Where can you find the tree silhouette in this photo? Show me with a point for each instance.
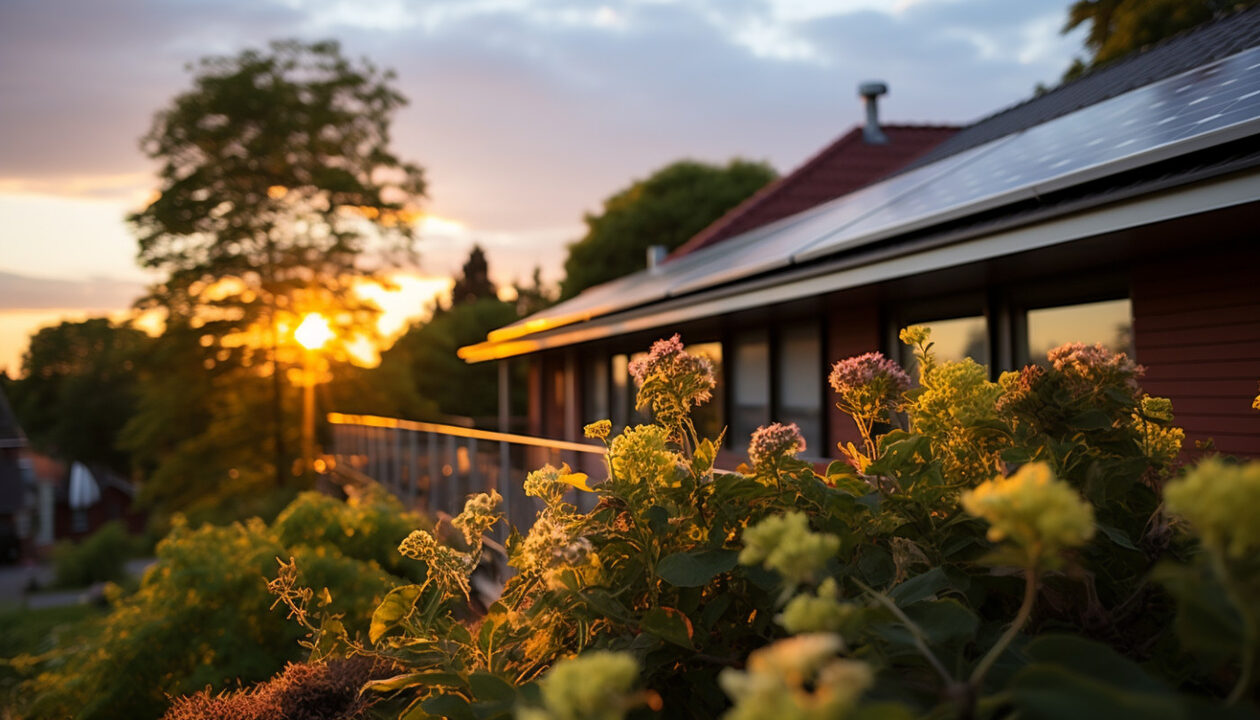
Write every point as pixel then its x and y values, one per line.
pixel 276 171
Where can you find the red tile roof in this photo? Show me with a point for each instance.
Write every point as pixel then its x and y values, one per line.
pixel 840 168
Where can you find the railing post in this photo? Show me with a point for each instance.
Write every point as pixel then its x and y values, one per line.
pixel 435 481
pixel 398 462
pixel 413 468
pixel 474 477
pixel 451 489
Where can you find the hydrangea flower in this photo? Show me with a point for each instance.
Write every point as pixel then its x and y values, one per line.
pixel 1039 513
pixel 797 679
pixel 598 430
pixel 869 380
pixel 446 566
pixel 786 544
pixel 640 455
pixel 823 612
pixel 596 685
pixel 478 516
pixel 773 441
pixel 672 381
pixel 1219 500
pixel 1087 368
pixel 545 483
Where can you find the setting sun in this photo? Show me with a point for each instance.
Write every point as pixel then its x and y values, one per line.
pixel 314 332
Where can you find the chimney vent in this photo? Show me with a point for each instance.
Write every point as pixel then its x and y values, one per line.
pixel 655 256
pixel 870 92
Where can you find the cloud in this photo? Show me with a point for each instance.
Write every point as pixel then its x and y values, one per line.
pixel 524 113
pixel 22 292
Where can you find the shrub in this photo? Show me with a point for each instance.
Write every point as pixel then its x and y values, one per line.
pixel 100 557
pixel 202 616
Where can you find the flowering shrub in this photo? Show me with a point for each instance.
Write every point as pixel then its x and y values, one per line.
pixel 1002 551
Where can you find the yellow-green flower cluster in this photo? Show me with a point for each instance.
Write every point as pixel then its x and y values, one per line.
pixel 1033 509
pixel 799 678
pixel 478 516
pixel 446 566
pixel 823 612
pixel 786 544
pixel 596 685
pixel 1219 500
pixel 1161 441
pixel 598 430
pixel 545 483
pixel 640 455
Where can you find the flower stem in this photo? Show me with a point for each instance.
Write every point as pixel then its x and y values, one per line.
pixel 915 631
pixel 1021 617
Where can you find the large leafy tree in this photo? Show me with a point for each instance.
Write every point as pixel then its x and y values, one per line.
pixel 79 385
pixel 276 174
pixel 1116 28
pixel 667 208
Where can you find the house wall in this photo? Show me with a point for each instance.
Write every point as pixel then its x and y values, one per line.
pixel 1197 331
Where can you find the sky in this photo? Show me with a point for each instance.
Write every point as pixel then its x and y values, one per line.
pixel 525 114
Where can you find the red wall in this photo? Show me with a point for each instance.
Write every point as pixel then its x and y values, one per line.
pixel 853 328
pixel 1196 324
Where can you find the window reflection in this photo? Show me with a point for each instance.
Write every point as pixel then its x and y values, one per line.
pixel 750 386
pixel 710 417
pixel 1109 322
pixel 800 382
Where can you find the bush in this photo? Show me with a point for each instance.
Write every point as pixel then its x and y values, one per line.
pixel 201 617
pixel 1001 551
pixel 100 557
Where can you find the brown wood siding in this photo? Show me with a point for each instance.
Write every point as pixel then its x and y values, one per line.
pixel 852 329
pixel 1196 326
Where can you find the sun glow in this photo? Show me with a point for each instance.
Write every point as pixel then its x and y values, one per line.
pixel 313 333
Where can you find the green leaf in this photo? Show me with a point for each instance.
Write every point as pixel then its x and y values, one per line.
pixel 702 459
pixel 1044 691
pixel 406 680
pixel 1117 536
pixel 668 624
pixel 943 620
pixel 1093 659
pixel 1092 419
pixel 920 587
pixel 697 568
pixel 876 566
pixel 491 688
pixel 452 707
pixel 396 606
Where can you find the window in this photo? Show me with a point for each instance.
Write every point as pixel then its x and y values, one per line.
pixel 799 382
pixel 595 390
pixel 1109 322
pixel 750 386
pixel 952 339
pixel 622 391
pixel 710 417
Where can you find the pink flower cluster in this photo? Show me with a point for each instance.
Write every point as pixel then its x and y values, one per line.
pixel 773 441
pixel 669 359
pixel 1094 364
pixel 863 371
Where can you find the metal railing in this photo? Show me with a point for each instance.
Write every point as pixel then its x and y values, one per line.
pixel 433 467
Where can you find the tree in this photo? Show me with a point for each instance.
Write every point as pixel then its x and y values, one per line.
pixel 276 172
pixel 667 208
pixel 1119 27
pixel 79 386
pixel 473 283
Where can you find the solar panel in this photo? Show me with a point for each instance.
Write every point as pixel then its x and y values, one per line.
pixel 1207 106
pixel 1203 107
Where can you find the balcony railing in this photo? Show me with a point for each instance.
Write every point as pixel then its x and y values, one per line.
pixel 433 467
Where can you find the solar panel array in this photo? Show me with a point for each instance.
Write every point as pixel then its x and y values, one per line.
pixel 1201 108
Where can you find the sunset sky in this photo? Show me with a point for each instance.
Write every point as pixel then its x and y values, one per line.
pixel 524 114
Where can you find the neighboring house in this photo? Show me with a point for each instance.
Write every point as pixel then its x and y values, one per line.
pixel 1119 208
pixel 43 500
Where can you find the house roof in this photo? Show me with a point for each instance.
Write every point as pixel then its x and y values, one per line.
pixel 1147 117
pixel 838 169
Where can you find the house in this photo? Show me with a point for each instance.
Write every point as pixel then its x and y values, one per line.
pixel 1119 208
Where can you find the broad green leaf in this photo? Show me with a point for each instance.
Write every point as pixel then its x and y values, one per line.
pixel 694 569
pixel 452 707
pixel 668 624
pixel 1044 691
pixel 1117 536
pixel 406 680
pixel 702 459
pixel 1093 659
pixel 943 620
pixel 920 587
pixel 396 606
pixel 491 688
